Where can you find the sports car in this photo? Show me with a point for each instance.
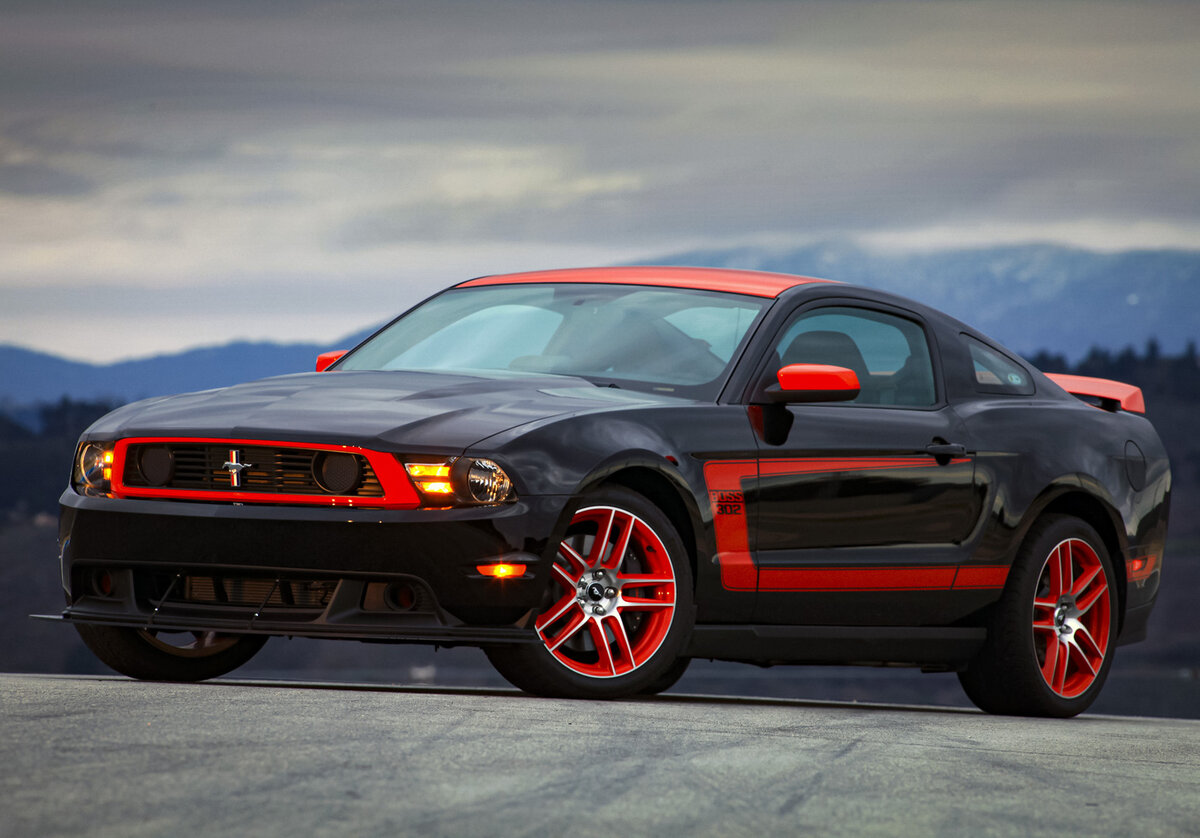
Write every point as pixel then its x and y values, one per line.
pixel 597 475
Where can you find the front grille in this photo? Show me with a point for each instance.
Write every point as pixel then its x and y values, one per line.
pixel 265 469
pixel 258 593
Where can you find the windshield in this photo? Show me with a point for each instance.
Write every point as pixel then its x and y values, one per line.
pixel 667 340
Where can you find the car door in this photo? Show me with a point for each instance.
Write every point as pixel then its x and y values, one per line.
pixel 860 508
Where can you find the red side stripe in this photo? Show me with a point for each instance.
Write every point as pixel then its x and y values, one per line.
pixel 915 578
pixel 818 465
pixel 724 479
pixel 982 576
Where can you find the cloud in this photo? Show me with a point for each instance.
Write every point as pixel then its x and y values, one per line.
pixel 38 179
pixel 226 146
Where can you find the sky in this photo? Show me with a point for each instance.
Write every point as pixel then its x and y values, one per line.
pixel 182 174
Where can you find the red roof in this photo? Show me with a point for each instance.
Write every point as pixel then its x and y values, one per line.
pixel 755 283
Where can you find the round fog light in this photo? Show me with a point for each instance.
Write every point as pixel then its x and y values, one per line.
pixel 157 465
pixel 338 474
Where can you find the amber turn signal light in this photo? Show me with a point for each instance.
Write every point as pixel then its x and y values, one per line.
pixel 501 571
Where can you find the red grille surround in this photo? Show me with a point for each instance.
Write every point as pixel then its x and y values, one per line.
pixel 385 484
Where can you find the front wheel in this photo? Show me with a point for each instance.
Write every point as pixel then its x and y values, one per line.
pixel 668 679
pixel 169 656
pixel 1052 638
pixel 618 609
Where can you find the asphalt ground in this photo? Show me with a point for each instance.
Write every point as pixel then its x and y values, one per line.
pixel 106 756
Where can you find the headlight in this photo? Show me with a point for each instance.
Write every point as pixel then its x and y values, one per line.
pixel 93 469
pixel 458 480
pixel 487 482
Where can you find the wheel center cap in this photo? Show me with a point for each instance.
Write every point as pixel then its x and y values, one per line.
pixel 595 592
pixel 1062 618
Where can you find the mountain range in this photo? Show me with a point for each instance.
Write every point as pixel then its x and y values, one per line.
pixel 1029 297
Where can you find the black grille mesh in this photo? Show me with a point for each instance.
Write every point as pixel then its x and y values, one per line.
pixel 271 470
pixel 265 593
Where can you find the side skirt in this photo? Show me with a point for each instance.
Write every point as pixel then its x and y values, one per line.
pixel 933 647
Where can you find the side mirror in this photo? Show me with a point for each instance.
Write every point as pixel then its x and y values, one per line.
pixel 327 359
pixel 814 383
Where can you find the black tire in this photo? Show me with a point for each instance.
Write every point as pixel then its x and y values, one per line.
pixel 1053 634
pixel 611 625
pixel 669 678
pixel 194 656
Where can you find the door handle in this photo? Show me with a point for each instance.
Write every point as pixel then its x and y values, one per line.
pixel 945 450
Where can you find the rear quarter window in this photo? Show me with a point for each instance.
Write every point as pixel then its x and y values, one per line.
pixel 994 372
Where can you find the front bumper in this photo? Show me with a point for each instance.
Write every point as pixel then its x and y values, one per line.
pixel 390 575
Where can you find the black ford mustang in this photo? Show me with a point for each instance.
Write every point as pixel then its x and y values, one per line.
pixel 597 475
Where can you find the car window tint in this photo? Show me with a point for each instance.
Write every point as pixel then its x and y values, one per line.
pixel 461 342
pixel 720 328
pixel 889 354
pixel 667 340
pixel 996 373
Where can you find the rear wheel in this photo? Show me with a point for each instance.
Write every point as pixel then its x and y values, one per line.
pixel 169 656
pixel 1052 638
pixel 618 609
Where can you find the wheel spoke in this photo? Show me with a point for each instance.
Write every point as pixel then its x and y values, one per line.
pixel 1046 620
pixel 1080 666
pixel 1085 579
pixel 602 648
pixel 660 595
pixel 600 542
pixel 203 640
pixel 1048 661
pixel 1060 571
pixel 551 617
pixel 578 621
pixel 1086 600
pixel 1068 572
pixel 576 561
pixel 566 578
pixel 642 604
pixel 617 556
pixel 642 580
pixel 624 647
pixel 1062 661
pixel 1089 649
pixel 1050 664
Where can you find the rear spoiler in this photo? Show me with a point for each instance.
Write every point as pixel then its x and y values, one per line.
pixel 1112 395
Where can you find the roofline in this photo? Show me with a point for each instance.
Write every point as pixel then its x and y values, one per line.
pixel 753 283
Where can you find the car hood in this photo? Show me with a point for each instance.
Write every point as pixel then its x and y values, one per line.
pixel 412 411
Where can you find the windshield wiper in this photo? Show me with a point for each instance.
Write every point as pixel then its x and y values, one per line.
pixel 603 382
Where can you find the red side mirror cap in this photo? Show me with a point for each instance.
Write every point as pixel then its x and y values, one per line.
pixel 815 383
pixel 327 359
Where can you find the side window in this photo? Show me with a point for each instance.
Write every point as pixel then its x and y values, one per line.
pixel 889 354
pixel 996 373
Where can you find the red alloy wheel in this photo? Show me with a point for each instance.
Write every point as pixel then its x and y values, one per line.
pixel 616 589
pixel 1071 618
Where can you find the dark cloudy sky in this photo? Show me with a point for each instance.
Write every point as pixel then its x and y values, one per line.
pixel 179 173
